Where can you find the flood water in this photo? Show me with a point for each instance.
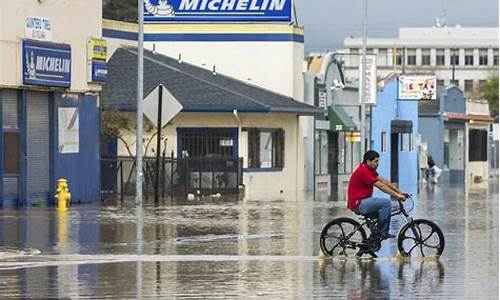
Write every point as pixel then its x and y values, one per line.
pixel 230 248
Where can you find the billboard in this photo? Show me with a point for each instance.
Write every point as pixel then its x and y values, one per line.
pixel 217 11
pixel 417 87
pixel 371 79
pixel 47 64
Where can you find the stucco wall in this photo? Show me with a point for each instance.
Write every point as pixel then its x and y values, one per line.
pixel 273 64
pixel 73 22
pixel 389 108
pixel 258 184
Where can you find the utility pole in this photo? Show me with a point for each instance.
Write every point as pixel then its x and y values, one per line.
pixel 363 83
pixel 140 73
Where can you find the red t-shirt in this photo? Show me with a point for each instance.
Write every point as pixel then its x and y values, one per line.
pixel 360 185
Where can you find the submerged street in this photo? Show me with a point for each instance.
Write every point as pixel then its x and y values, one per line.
pixel 214 248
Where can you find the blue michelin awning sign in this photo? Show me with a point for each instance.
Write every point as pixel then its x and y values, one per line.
pixel 46 64
pixel 217 10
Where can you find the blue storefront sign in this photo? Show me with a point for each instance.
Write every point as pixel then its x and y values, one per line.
pixel 46 64
pixel 217 10
pixel 99 71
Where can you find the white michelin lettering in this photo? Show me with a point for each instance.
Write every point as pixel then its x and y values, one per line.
pixel 227 4
pixel 253 5
pixel 214 5
pixel 203 4
pixel 264 5
pixel 277 4
pixel 188 5
pixel 242 5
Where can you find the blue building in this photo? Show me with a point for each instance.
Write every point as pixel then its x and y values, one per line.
pixel 442 128
pixel 393 134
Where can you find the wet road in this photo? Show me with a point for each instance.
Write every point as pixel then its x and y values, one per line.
pixel 226 248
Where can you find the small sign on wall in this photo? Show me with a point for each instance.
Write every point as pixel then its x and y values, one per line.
pixel 38 28
pixel 97 52
pixel 417 87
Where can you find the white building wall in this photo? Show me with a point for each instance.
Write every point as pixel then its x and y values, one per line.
pixel 435 38
pixel 72 23
pixel 274 65
pixel 258 184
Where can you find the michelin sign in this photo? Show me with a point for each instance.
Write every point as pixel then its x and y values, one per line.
pixel 217 11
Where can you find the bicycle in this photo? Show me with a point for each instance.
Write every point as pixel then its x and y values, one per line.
pixel 346 236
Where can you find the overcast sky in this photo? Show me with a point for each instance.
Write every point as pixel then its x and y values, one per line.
pixel 327 22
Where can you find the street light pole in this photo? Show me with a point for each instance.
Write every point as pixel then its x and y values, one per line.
pixel 138 151
pixel 363 82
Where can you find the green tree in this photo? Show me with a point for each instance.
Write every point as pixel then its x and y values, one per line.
pixel 489 91
pixel 120 10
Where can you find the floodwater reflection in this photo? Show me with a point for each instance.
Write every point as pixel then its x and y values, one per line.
pixel 231 248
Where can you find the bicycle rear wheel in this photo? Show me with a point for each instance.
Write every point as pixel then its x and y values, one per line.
pixel 341 237
pixel 421 237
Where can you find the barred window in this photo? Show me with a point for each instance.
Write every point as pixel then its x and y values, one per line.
pixel 207 142
pixel 478 140
pixel 266 148
pixel 440 57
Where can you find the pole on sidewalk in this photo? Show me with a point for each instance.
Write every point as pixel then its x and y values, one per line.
pixel 158 145
pixel 140 73
pixel 138 153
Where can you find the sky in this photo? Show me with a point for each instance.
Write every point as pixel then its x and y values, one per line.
pixel 328 22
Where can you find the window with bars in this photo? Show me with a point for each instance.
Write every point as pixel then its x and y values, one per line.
pixel 440 57
pixel 469 57
pixel 495 57
pixel 266 148
pixel 426 57
pixel 411 57
pixel 440 83
pixel 478 140
pixel 383 142
pixel 209 143
pixel 399 56
pixel 483 57
pixel 454 59
pixel 468 85
pixel 382 57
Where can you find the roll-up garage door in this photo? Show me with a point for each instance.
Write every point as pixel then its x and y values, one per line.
pixel 38 150
pixel 11 147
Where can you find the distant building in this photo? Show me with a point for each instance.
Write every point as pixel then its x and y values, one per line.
pixel 456 134
pixel 394 131
pixel 465 57
pixel 221 118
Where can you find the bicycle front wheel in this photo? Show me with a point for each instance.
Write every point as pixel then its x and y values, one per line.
pixel 421 238
pixel 341 237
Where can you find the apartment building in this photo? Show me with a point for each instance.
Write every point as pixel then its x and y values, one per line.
pixel 465 57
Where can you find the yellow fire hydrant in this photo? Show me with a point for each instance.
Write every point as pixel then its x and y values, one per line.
pixel 63 195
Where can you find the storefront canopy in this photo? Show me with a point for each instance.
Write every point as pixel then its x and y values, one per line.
pixel 340 120
pixel 401 126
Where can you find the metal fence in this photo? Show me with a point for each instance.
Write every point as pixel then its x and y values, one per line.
pixel 178 177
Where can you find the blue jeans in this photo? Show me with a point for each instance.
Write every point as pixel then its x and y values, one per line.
pixel 382 206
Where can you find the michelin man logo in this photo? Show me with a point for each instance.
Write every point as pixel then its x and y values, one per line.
pixel 30 66
pixel 162 9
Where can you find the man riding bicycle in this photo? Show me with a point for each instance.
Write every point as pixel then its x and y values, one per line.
pixel 360 194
